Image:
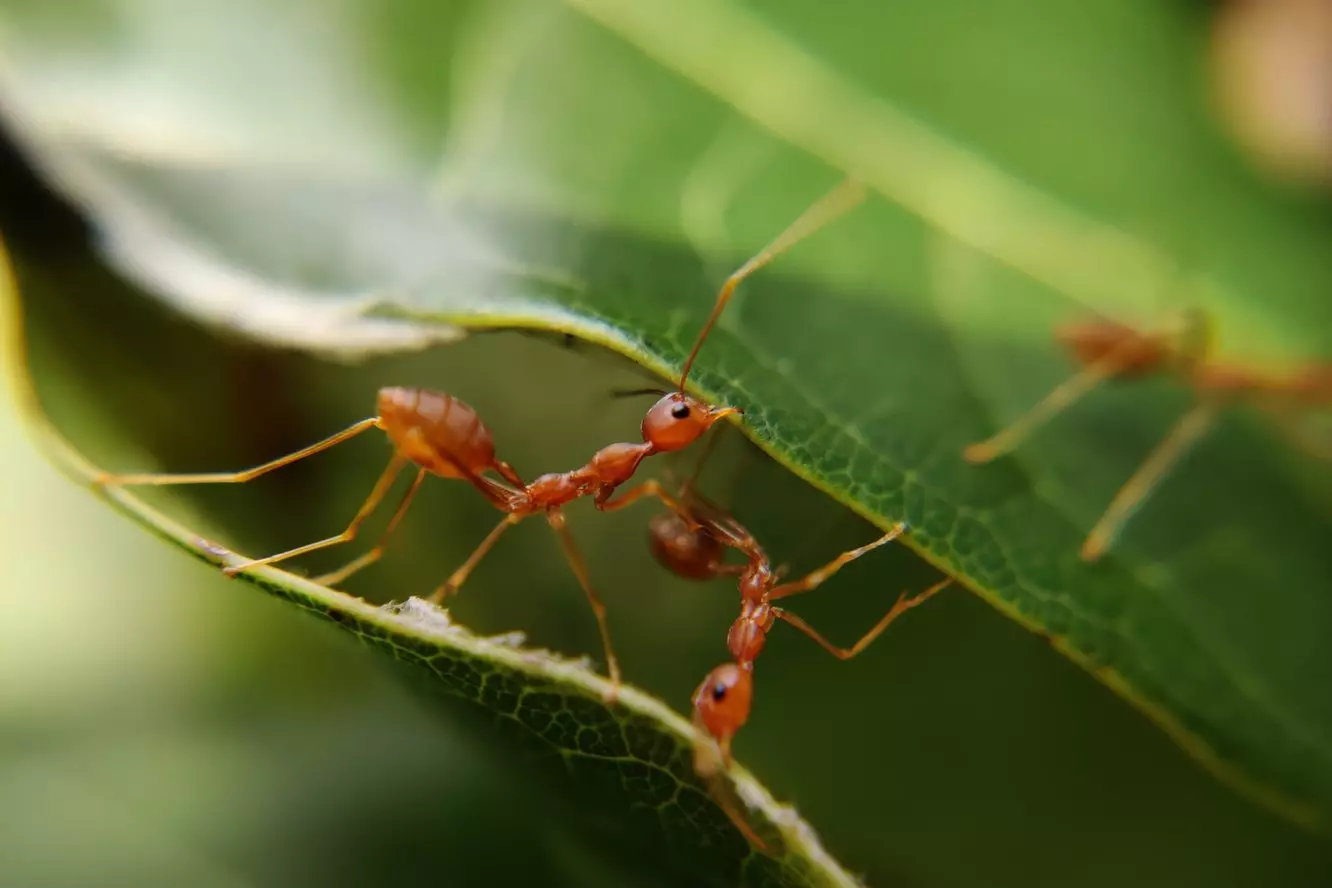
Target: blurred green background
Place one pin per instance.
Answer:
(162, 726)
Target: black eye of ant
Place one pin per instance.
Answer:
(719, 692)
(680, 411)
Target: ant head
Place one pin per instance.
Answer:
(686, 552)
(678, 420)
(721, 703)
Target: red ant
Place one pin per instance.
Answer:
(1108, 350)
(442, 435)
(690, 541)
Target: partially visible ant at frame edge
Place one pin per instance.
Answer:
(690, 539)
(442, 435)
(1110, 351)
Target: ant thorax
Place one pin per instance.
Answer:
(749, 633)
(756, 582)
(615, 464)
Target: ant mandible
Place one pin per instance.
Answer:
(442, 435)
(1107, 350)
(691, 541)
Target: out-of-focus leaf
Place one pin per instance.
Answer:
(919, 328)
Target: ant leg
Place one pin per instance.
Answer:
(459, 576)
(508, 474)
(579, 566)
(901, 606)
(647, 488)
(835, 203)
(813, 579)
(105, 479)
(716, 521)
(1136, 490)
(381, 487)
(1063, 396)
(337, 576)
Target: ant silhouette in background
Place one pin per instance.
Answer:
(442, 435)
(1107, 350)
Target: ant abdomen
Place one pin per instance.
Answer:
(423, 424)
(693, 554)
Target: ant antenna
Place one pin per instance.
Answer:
(635, 392)
(835, 203)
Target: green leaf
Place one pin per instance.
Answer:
(586, 150)
(635, 755)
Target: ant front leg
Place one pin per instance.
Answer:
(702, 516)
(647, 488)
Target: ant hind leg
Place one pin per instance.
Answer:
(332, 578)
(105, 479)
(817, 577)
(903, 604)
(371, 502)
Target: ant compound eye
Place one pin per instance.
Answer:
(719, 692)
(680, 411)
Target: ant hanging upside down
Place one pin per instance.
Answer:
(442, 435)
(691, 540)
